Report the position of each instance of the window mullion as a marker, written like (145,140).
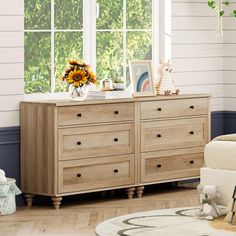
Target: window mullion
(156,47)
(165,29)
(124,41)
(93,34)
(168,39)
(89,32)
(53,82)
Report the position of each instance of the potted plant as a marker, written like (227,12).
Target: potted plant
(118,83)
(218,7)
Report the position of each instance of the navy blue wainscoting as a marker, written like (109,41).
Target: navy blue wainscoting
(223,122)
(217,123)
(10,154)
(229,122)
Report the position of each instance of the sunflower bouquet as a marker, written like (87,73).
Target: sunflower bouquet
(79,74)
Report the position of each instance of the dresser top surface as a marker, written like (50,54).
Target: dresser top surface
(71,102)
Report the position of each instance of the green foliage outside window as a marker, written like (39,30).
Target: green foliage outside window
(37,62)
(68,44)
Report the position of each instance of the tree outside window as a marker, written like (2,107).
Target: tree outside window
(54,31)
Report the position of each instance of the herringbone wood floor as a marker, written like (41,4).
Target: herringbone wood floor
(80,215)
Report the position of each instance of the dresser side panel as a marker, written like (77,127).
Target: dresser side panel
(38,156)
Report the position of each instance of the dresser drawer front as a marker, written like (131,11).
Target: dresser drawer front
(171,167)
(161,135)
(88,114)
(97,141)
(174,108)
(89,174)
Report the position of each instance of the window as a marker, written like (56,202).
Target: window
(104,33)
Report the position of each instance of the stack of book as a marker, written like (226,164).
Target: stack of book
(99,94)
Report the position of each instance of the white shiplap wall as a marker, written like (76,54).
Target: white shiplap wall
(11,61)
(197,53)
(230,64)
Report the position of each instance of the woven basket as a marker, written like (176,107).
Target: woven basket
(7,200)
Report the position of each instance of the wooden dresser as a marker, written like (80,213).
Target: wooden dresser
(70,147)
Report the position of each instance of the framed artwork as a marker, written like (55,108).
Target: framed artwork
(141,78)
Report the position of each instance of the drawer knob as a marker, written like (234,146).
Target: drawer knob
(158,166)
(116,171)
(79,175)
(116,112)
(159,109)
(159,136)
(79,114)
(191,132)
(78,143)
(191,162)
(192,107)
(116,139)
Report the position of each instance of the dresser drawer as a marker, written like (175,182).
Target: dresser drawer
(174,108)
(97,141)
(95,113)
(93,174)
(182,133)
(174,165)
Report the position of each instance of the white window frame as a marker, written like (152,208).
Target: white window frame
(161,38)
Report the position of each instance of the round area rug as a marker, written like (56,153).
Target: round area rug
(167,222)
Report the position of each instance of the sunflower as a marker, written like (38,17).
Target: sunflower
(78,74)
(92,77)
(77,78)
(90,74)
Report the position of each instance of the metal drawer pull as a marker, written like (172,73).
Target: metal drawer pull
(159,136)
(78,143)
(192,107)
(191,132)
(79,175)
(79,114)
(116,112)
(116,171)
(116,139)
(159,109)
(158,166)
(191,162)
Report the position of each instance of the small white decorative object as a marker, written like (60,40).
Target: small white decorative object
(209,209)
(3,178)
(106,85)
(119,86)
(165,84)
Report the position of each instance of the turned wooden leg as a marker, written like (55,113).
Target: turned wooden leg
(130,192)
(29,199)
(56,201)
(139,191)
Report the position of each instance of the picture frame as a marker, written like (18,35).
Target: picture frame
(141,78)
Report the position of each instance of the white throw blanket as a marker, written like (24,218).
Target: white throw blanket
(221,153)
(228,137)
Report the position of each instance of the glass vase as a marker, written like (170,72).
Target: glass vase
(78,93)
